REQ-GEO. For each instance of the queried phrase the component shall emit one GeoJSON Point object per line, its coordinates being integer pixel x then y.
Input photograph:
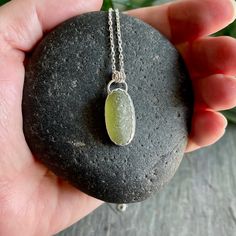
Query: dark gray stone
{"type": "Point", "coordinates": [63, 108]}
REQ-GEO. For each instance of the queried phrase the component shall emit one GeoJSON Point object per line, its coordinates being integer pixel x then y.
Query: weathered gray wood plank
{"type": "Point", "coordinates": [199, 201]}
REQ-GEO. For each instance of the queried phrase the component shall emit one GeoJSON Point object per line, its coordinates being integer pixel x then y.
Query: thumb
{"type": "Point", "coordinates": [22, 23]}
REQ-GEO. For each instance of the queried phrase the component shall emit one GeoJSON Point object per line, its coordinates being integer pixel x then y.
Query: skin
{"type": "Point", "coordinates": [33, 201]}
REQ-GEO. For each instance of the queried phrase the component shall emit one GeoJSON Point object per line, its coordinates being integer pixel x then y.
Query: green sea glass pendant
{"type": "Point", "coordinates": [119, 108]}
{"type": "Point", "coordinates": [120, 117]}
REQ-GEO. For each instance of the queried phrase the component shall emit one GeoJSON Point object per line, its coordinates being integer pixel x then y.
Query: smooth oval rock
{"type": "Point", "coordinates": [120, 117]}
{"type": "Point", "coordinates": [63, 108]}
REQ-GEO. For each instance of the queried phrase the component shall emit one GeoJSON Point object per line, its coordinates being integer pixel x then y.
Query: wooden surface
{"type": "Point", "coordinates": [199, 201]}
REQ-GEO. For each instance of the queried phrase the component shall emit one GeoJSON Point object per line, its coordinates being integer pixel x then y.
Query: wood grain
{"type": "Point", "coordinates": [199, 201]}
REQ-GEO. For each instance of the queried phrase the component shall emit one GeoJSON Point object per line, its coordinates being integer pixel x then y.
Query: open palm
{"type": "Point", "coordinates": [33, 201]}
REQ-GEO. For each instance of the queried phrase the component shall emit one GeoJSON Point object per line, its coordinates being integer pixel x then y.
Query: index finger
{"type": "Point", "coordinates": [186, 20]}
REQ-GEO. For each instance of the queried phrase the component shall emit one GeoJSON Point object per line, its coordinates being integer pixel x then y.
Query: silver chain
{"type": "Point", "coordinates": [118, 76]}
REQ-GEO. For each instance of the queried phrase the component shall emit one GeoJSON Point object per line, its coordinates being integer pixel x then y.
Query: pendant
{"type": "Point", "coordinates": [120, 116]}
{"type": "Point", "coordinates": [119, 108]}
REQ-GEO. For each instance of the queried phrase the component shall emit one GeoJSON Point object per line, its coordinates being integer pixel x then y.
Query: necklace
{"type": "Point", "coordinates": [119, 108]}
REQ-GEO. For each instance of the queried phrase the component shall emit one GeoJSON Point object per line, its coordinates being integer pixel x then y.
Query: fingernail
{"type": "Point", "coordinates": [225, 121]}
{"type": "Point", "coordinates": [223, 76]}
{"type": "Point", "coordinates": [234, 9]}
{"type": "Point", "coordinates": [233, 77]}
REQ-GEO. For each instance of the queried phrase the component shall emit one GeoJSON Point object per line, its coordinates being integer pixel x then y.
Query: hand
{"type": "Point", "coordinates": [210, 61]}
{"type": "Point", "coordinates": [32, 200]}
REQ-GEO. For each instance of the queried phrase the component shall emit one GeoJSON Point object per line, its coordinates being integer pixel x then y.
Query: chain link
{"type": "Point", "coordinates": [112, 44]}
{"type": "Point", "coordinates": [120, 49]}
{"type": "Point", "coordinates": [117, 75]}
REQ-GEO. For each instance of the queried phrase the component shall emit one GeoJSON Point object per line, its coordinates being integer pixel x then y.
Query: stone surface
{"type": "Point", "coordinates": [63, 108]}
{"type": "Point", "coordinates": [120, 117]}
{"type": "Point", "coordinates": [199, 201]}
